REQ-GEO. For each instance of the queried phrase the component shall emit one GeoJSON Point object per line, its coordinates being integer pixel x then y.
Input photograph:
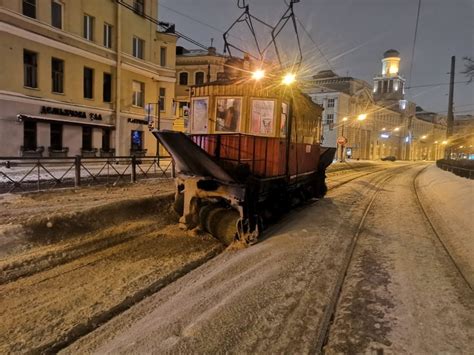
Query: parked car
{"type": "Point", "coordinates": [389, 158]}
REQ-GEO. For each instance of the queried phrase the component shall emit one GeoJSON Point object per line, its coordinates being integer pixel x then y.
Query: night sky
{"type": "Point", "coordinates": [352, 35]}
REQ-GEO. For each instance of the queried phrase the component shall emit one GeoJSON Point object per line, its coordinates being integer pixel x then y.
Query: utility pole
{"type": "Point", "coordinates": [449, 131]}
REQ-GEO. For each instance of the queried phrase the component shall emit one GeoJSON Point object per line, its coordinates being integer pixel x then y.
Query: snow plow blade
{"type": "Point", "coordinates": [189, 158]}
{"type": "Point", "coordinates": [326, 158]}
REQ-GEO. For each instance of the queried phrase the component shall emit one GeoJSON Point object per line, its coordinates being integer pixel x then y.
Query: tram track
{"type": "Point", "coordinates": [331, 308]}
{"type": "Point", "coordinates": [435, 232]}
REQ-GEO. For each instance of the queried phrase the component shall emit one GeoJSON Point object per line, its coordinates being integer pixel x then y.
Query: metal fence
{"type": "Point", "coordinates": [457, 167]}
{"type": "Point", "coordinates": [39, 174]}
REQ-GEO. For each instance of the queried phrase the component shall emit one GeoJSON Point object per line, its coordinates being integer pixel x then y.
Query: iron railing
{"type": "Point", "coordinates": [463, 168]}
{"type": "Point", "coordinates": [38, 174]}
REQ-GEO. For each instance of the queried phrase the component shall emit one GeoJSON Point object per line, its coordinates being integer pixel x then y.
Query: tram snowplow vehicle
{"type": "Point", "coordinates": [252, 152]}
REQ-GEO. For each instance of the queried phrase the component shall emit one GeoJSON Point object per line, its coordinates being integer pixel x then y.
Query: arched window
{"type": "Point", "coordinates": [199, 78]}
{"type": "Point", "coordinates": [183, 78]}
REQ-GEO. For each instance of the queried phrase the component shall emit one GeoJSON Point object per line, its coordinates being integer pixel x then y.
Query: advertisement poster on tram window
{"type": "Point", "coordinates": [228, 114]}
{"type": "Point", "coordinates": [199, 115]}
{"type": "Point", "coordinates": [262, 117]}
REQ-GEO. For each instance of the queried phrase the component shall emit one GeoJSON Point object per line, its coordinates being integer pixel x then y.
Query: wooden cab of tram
{"type": "Point", "coordinates": [272, 129]}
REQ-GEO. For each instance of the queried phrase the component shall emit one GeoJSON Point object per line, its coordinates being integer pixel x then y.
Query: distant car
{"type": "Point", "coordinates": [389, 158]}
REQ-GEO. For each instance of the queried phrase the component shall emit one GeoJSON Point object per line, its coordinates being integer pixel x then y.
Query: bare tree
{"type": "Point", "coordinates": [469, 68]}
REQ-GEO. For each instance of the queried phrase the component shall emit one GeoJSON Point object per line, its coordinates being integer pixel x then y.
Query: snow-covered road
{"type": "Point", "coordinates": [271, 298]}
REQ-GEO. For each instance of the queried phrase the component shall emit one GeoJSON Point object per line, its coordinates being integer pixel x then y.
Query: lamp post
{"type": "Point", "coordinates": [344, 119]}
{"type": "Point", "coordinates": [361, 117]}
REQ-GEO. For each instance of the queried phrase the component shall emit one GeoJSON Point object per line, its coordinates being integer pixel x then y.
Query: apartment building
{"type": "Point", "coordinates": [84, 77]}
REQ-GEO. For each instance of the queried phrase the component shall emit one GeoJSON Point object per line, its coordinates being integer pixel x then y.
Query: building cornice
{"type": "Point", "coordinates": [17, 97]}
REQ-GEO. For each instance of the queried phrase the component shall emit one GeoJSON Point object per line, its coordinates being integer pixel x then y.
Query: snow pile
{"type": "Point", "coordinates": [449, 201]}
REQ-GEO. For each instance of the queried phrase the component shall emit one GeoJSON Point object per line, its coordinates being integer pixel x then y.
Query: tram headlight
{"type": "Point", "coordinates": [289, 79]}
{"type": "Point", "coordinates": [258, 74]}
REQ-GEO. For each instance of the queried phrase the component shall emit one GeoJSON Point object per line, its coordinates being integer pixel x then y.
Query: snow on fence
{"type": "Point", "coordinates": [463, 168]}
{"type": "Point", "coordinates": [38, 174]}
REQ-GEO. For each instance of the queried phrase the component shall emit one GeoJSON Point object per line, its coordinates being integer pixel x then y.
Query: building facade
{"type": "Point", "coordinates": [83, 77]}
{"type": "Point", "coordinates": [376, 121]}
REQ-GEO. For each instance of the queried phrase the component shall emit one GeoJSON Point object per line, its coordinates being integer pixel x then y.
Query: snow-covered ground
{"type": "Point", "coordinates": [402, 293]}
{"type": "Point", "coordinates": [75, 277]}
{"type": "Point", "coordinates": [449, 201]}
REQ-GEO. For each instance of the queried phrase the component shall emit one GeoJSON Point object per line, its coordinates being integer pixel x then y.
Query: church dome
{"type": "Point", "coordinates": [391, 53]}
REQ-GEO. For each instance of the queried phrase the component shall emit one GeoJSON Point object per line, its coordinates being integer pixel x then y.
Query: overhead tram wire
{"type": "Point", "coordinates": [414, 43]}
{"type": "Point", "coordinates": [191, 18]}
{"type": "Point", "coordinates": [163, 25]}
{"type": "Point", "coordinates": [312, 40]}
{"type": "Point", "coordinates": [432, 85]}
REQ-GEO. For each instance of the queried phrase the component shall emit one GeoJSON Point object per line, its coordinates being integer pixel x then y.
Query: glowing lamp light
{"type": "Point", "coordinates": [362, 117]}
{"type": "Point", "coordinates": [435, 142]}
{"type": "Point", "coordinates": [384, 135]}
{"type": "Point", "coordinates": [393, 69]}
{"type": "Point", "coordinates": [444, 142]}
{"type": "Point", "coordinates": [407, 139]}
{"type": "Point", "coordinates": [397, 129]}
{"type": "Point", "coordinates": [423, 137]}
{"type": "Point", "coordinates": [258, 74]}
{"type": "Point", "coordinates": [461, 146]}
{"type": "Point", "coordinates": [289, 79]}
{"type": "Point", "coordinates": [344, 119]}
{"type": "Point", "coordinates": [384, 129]}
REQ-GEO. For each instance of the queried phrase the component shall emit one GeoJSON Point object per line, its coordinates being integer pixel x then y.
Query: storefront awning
{"type": "Point", "coordinates": [22, 117]}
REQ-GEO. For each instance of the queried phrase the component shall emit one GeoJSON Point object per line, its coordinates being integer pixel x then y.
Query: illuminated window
{"type": "Point", "coordinates": [137, 140]}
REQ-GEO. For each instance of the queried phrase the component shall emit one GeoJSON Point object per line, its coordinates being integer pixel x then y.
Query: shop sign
{"type": "Point", "coordinates": [138, 121]}
{"type": "Point", "coordinates": [45, 110]}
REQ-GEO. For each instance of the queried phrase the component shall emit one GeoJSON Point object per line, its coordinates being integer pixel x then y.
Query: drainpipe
{"type": "Point", "coordinates": [119, 148]}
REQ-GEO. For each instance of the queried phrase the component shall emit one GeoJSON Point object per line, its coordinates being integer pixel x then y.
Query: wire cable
{"type": "Point", "coordinates": [414, 42]}
{"type": "Point", "coordinates": [312, 40]}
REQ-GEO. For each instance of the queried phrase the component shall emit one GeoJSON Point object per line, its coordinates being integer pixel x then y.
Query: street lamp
{"type": "Point", "coordinates": [344, 119]}
{"type": "Point", "coordinates": [396, 129]}
{"type": "Point", "coordinates": [423, 137]}
{"type": "Point", "coordinates": [362, 117]}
